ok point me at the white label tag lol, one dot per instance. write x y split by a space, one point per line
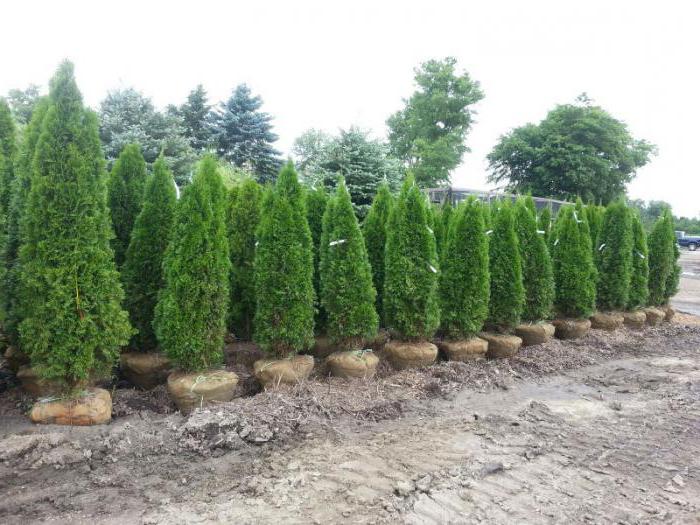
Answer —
601 247
432 268
541 232
641 255
333 243
429 229
489 232
556 242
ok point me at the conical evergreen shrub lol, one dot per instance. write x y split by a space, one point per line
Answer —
142 273
73 324
464 278
411 268
537 275
284 316
243 217
8 154
614 257
446 215
674 279
374 231
639 281
347 293
572 262
594 216
316 200
507 290
190 317
544 224
125 197
661 260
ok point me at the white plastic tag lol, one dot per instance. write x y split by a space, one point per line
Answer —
333 243
489 232
432 268
601 247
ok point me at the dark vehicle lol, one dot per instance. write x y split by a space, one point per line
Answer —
692 242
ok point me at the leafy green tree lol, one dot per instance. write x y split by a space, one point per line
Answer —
19 191
243 134
660 259
196 118
374 230
142 273
639 282
505 265
73 324
614 257
22 102
464 279
429 133
411 306
190 317
347 293
572 261
284 316
316 200
544 223
537 273
125 197
243 217
577 150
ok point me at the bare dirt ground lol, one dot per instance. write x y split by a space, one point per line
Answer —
605 429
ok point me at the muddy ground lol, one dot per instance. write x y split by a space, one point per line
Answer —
601 430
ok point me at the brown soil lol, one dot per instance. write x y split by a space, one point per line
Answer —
600 429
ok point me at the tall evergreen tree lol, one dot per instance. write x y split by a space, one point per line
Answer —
142 273
374 231
284 315
196 119
190 317
674 278
594 217
538 278
244 135
125 197
73 323
584 227
544 223
639 281
464 279
8 153
243 217
411 268
507 290
347 293
660 260
572 262
614 257
316 200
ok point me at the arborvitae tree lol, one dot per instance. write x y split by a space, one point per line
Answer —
18 197
411 268
142 273
436 224
639 281
573 266
488 222
374 230
190 317
464 278
580 216
73 323
660 260
125 197
544 223
8 153
446 216
347 293
284 317
594 216
674 279
507 290
243 217
614 257
316 200
538 278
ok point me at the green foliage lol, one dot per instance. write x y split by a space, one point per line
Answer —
316 200
125 197
614 257
8 153
674 278
284 317
347 293
505 264
142 273
586 239
243 217
577 150
537 273
544 224
411 268
73 324
190 317
196 116
572 261
22 102
594 217
443 216
661 255
429 133
639 281
464 279
374 230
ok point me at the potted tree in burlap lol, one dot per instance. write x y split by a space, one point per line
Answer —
613 259
347 292
284 315
411 307
633 316
464 284
190 317
72 321
142 275
538 278
664 271
574 286
507 297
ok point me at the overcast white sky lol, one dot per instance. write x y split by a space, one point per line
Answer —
331 64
